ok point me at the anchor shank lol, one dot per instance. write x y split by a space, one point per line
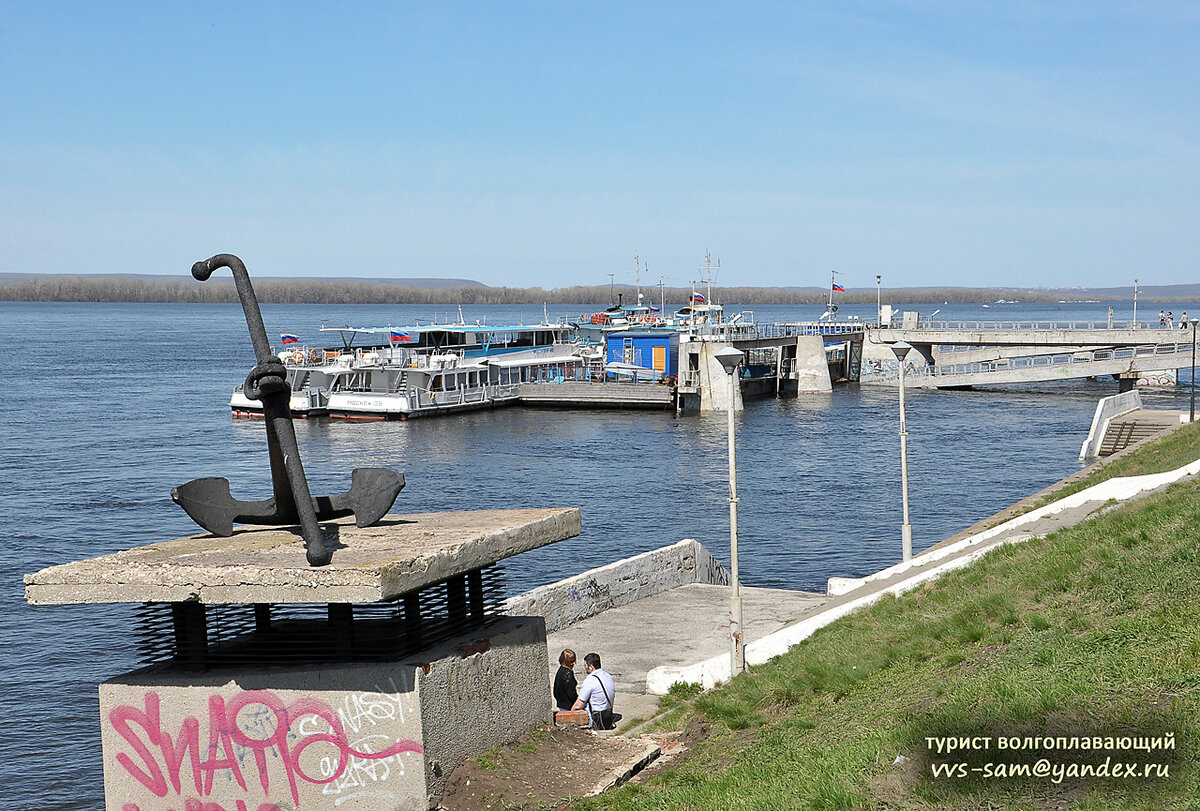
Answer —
285 501
279 416
275 409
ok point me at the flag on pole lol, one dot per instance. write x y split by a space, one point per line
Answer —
838 288
697 298
397 336
288 338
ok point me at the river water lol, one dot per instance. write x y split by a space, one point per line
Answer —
110 405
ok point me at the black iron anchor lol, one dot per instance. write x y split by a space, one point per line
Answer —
209 502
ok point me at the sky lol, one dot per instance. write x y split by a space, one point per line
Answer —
547 144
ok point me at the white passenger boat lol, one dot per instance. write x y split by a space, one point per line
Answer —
310 373
387 373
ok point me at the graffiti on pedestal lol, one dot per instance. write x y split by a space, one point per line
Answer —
255 750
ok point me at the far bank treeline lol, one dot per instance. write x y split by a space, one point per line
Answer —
109 289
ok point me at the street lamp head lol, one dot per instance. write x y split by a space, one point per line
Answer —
729 358
901 350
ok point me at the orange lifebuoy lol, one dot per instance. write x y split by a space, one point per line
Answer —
316 355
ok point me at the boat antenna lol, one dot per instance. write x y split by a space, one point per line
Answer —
637 276
545 314
461 320
610 288
662 296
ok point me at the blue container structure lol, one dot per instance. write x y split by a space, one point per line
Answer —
656 352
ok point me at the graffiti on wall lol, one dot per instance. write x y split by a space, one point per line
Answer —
254 751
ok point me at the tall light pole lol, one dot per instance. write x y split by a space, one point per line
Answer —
730 358
901 350
878 301
1192 410
1135 292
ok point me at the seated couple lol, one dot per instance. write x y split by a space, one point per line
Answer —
596 695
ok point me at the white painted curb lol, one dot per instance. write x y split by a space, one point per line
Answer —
713 671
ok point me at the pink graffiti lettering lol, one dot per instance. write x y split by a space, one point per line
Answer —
191 804
225 736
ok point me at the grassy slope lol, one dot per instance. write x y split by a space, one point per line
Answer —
1092 629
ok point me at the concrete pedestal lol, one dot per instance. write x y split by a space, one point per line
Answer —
276 685
371 736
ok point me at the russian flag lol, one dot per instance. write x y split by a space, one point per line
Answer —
837 287
397 336
697 298
288 338
654 309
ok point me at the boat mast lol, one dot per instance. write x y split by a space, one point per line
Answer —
707 269
637 277
662 295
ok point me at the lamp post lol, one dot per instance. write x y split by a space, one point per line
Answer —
878 301
730 358
1135 292
901 350
1192 410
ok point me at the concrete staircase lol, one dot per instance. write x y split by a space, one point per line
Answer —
1133 427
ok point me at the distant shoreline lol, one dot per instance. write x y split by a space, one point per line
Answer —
113 289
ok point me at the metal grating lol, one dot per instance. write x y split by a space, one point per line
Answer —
196 636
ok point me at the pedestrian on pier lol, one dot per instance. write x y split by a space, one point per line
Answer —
1183 320
1170 320
566 689
1162 318
597 693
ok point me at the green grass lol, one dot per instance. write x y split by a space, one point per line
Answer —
1093 629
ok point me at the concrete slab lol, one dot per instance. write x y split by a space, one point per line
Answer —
675 628
399 554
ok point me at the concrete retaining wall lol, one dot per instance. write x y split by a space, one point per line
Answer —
585 595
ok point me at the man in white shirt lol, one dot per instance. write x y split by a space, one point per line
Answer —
597 693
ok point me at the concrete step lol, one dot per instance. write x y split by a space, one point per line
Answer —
1124 432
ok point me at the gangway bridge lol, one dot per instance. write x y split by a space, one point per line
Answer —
961 354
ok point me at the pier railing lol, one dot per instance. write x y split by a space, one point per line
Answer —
785 329
1031 326
1062 359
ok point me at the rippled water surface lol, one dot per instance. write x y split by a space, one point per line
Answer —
109 406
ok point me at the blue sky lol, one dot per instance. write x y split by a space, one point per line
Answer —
956 143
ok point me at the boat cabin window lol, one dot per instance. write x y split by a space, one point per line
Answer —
545 338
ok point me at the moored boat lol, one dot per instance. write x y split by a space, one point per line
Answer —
389 373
